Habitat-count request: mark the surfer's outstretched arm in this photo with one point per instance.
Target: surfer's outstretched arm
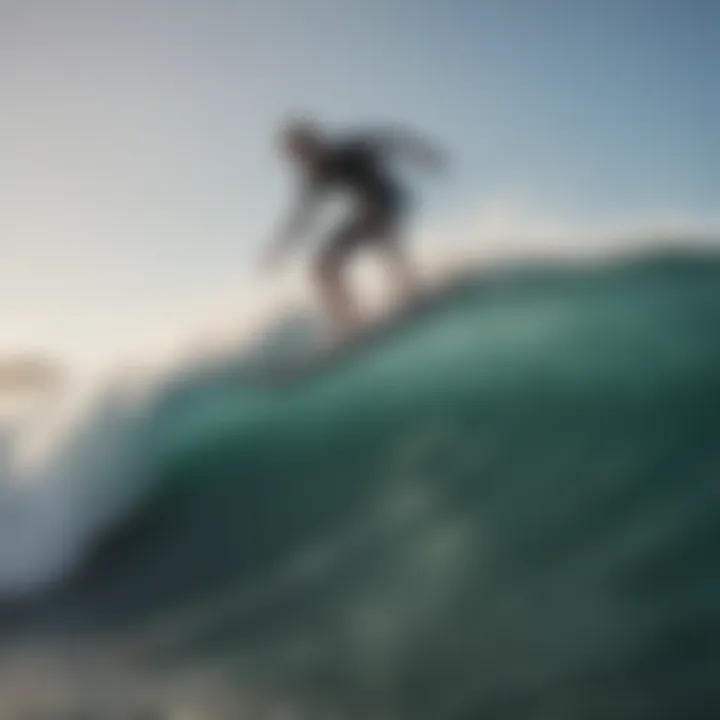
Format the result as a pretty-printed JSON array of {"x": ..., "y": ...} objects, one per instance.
[
  {"x": 399, "y": 141},
  {"x": 295, "y": 224}
]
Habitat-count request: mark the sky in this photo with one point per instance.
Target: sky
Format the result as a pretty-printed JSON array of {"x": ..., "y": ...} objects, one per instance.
[{"x": 139, "y": 176}]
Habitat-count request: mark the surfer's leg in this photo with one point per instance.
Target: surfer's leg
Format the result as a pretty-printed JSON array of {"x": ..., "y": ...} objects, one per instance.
[
  {"x": 329, "y": 267},
  {"x": 390, "y": 227},
  {"x": 404, "y": 275}
]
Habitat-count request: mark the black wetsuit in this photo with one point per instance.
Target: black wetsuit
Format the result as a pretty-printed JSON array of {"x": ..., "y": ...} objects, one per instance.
[{"x": 357, "y": 167}]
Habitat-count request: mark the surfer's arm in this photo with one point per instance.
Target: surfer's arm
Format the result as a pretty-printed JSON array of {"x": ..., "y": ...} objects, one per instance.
[
  {"x": 406, "y": 143},
  {"x": 298, "y": 219}
]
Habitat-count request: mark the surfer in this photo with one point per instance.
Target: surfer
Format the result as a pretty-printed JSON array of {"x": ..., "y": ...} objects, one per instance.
[{"x": 356, "y": 165}]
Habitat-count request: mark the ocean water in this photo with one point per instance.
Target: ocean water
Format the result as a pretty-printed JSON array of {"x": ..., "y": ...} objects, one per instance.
[{"x": 507, "y": 507}]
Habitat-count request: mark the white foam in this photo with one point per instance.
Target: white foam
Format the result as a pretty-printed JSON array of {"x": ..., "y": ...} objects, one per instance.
[{"x": 70, "y": 467}]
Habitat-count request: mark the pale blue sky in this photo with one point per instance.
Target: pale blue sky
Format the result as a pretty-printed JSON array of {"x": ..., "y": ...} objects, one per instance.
[{"x": 137, "y": 168}]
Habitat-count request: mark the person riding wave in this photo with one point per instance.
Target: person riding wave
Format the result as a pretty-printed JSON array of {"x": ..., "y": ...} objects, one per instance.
[{"x": 357, "y": 165}]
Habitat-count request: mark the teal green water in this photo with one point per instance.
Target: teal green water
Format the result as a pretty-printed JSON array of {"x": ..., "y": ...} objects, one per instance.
[{"x": 507, "y": 508}]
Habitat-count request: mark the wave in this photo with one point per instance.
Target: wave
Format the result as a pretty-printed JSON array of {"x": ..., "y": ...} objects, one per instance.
[{"x": 504, "y": 506}]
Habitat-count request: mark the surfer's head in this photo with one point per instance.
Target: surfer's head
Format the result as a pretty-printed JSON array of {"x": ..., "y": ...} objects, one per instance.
[{"x": 302, "y": 141}]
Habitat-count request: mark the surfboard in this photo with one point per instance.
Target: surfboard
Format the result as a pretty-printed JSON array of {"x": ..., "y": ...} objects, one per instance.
[{"x": 370, "y": 333}]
